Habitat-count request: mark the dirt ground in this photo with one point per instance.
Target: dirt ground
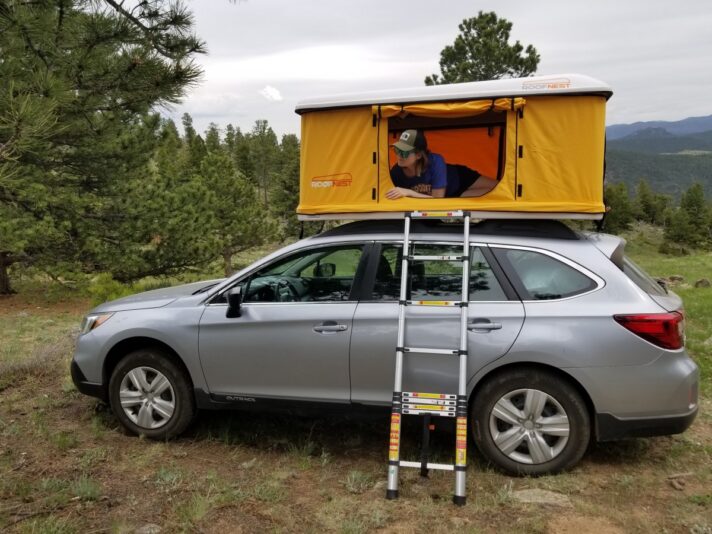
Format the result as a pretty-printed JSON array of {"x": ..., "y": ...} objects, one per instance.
[{"x": 65, "y": 466}]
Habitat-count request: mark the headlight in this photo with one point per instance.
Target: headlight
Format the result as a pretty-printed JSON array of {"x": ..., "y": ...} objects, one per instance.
[{"x": 93, "y": 321}]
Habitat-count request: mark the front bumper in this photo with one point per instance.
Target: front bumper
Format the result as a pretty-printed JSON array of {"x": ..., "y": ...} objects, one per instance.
[{"x": 84, "y": 386}]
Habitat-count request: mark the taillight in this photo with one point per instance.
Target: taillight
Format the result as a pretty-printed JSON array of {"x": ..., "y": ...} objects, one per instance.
[{"x": 666, "y": 330}]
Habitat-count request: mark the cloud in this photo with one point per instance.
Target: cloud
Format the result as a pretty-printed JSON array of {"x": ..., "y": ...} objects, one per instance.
[{"x": 271, "y": 94}]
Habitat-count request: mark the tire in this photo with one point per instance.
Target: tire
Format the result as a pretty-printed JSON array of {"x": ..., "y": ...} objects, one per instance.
[
  {"x": 157, "y": 395},
  {"x": 530, "y": 422}
]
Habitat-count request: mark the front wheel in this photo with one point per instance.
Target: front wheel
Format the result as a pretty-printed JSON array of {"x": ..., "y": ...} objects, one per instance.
[
  {"x": 530, "y": 422},
  {"x": 151, "y": 395}
]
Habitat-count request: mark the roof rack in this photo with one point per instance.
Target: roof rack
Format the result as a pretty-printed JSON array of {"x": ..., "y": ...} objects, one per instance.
[{"x": 505, "y": 227}]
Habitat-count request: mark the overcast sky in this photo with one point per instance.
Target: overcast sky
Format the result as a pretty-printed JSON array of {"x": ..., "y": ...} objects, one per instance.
[{"x": 264, "y": 56}]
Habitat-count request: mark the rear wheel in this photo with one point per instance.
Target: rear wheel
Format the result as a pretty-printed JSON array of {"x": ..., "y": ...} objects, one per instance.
[
  {"x": 530, "y": 422},
  {"x": 151, "y": 395}
]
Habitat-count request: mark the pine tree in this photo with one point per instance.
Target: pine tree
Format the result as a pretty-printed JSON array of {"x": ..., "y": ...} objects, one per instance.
[
  {"x": 212, "y": 138},
  {"x": 482, "y": 52},
  {"x": 78, "y": 81},
  {"x": 677, "y": 232},
  {"x": 285, "y": 188},
  {"x": 620, "y": 209},
  {"x": 194, "y": 143},
  {"x": 649, "y": 206},
  {"x": 239, "y": 221},
  {"x": 263, "y": 154},
  {"x": 694, "y": 205}
]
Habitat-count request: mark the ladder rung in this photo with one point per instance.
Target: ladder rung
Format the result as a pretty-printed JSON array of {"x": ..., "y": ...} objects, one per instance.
[
  {"x": 433, "y": 302},
  {"x": 429, "y": 351},
  {"x": 436, "y": 258},
  {"x": 412, "y": 401},
  {"x": 436, "y": 214},
  {"x": 442, "y": 467},
  {"x": 413, "y": 405},
  {"x": 421, "y": 411},
  {"x": 419, "y": 395}
]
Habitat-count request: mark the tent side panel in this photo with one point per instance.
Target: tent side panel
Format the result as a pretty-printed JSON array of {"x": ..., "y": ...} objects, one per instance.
[
  {"x": 338, "y": 171},
  {"x": 562, "y": 151},
  {"x": 504, "y": 192}
]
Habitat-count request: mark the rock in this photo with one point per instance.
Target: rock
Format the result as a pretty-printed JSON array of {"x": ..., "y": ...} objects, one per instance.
[
  {"x": 676, "y": 278},
  {"x": 679, "y": 485},
  {"x": 149, "y": 528},
  {"x": 703, "y": 282},
  {"x": 539, "y": 496}
]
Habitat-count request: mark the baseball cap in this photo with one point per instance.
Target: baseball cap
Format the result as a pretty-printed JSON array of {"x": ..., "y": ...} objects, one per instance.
[{"x": 411, "y": 139}]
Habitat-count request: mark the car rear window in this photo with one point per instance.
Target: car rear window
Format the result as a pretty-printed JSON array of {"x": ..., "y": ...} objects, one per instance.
[
  {"x": 542, "y": 277},
  {"x": 642, "y": 279}
]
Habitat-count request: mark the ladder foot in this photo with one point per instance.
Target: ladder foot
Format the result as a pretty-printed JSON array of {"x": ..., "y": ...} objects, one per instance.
[
  {"x": 458, "y": 500},
  {"x": 391, "y": 494}
]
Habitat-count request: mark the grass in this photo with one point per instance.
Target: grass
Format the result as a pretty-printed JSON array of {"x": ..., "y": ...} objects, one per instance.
[
  {"x": 65, "y": 467},
  {"x": 26, "y": 333},
  {"x": 357, "y": 482}
]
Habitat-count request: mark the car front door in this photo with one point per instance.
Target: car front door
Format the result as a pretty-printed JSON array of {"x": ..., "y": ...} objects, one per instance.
[
  {"x": 495, "y": 318},
  {"x": 291, "y": 340}
]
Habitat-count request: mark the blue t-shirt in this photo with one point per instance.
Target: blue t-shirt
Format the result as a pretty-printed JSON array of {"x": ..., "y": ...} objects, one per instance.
[
  {"x": 434, "y": 176},
  {"x": 437, "y": 175}
]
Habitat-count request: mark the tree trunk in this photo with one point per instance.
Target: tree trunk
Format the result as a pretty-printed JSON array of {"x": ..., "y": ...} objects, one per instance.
[
  {"x": 227, "y": 260},
  {"x": 5, "y": 262}
]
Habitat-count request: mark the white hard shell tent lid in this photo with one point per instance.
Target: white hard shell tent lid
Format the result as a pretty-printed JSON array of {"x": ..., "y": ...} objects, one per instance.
[{"x": 512, "y": 87}]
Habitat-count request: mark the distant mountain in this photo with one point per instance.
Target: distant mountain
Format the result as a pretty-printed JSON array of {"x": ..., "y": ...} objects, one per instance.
[
  {"x": 670, "y": 156},
  {"x": 668, "y": 174},
  {"x": 691, "y": 125},
  {"x": 661, "y": 141}
]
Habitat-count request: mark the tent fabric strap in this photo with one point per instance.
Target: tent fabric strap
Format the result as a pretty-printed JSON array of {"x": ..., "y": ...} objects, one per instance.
[{"x": 453, "y": 110}]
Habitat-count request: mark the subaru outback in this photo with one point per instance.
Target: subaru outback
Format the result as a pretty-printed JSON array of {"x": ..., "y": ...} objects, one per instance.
[{"x": 569, "y": 341}]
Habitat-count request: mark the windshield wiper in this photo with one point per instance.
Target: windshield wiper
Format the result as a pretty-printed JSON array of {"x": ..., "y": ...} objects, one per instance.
[{"x": 204, "y": 289}]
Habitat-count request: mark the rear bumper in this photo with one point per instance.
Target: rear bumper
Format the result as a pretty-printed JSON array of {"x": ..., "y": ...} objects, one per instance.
[
  {"x": 84, "y": 386},
  {"x": 611, "y": 428}
]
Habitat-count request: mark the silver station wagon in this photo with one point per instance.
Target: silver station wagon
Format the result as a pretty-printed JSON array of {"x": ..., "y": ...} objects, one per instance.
[{"x": 569, "y": 341}]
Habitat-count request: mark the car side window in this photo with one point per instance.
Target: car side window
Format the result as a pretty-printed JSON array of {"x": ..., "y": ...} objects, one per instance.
[
  {"x": 315, "y": 275},
  {"x": 435, "y": 280},
  {"x": 543, "y": 277}
]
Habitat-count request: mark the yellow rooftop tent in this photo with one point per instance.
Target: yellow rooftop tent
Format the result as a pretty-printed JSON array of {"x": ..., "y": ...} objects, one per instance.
[{"x": 542, "y": 138}]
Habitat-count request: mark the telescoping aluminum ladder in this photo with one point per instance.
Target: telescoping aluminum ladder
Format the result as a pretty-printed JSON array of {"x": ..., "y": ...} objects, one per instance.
[{"x": 431, "y": 404}]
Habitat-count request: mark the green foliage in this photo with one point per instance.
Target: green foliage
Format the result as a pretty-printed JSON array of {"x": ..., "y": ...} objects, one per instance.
[
  {"x": 482, "y": 52},
  {"x": 649, "y": 206},
  {"x": 694, "y": 204},
  {"x": 239, "y": 221},
  {"x": 104, "y": 288},
  {"x": 620, "y": 209},
  {"x": 689, "y": 225},
  {"x": 285, "y": 186},
  {"x": 78, "y": 81},
  {"x": 264, "y": 155},
  {"x": 86, "y": 489}
]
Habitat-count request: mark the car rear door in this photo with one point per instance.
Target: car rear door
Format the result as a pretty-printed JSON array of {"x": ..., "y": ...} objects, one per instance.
[{"x": 495, "y": 317}]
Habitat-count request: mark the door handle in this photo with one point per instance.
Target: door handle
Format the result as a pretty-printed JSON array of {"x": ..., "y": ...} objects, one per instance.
[
  {"x": 487, "y": 326},
  {"x": 329, "y": 327}
]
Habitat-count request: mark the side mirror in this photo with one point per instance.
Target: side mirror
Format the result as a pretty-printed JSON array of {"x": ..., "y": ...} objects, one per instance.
[
  {"x": 234, "y": 301},
  {"x": 325, "y": 270}
]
